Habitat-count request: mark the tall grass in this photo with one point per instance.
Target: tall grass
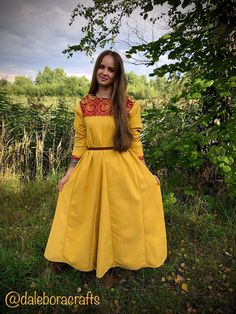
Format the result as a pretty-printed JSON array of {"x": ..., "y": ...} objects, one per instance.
[{"x": 34, "y": 143}]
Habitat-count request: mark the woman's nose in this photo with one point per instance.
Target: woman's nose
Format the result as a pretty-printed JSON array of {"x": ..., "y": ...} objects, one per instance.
[{"x": 105, "y": 71}]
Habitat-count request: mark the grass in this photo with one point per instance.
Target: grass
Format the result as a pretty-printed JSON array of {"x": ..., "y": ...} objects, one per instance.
[{"x": 197, "y": 277}]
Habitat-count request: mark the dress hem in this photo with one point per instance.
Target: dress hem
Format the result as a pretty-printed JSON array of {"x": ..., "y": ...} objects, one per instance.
[{"x": 112, "y": 266}]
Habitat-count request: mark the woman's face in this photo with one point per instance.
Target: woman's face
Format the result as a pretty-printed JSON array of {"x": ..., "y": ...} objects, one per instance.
[{"x": 106, "y": 71}]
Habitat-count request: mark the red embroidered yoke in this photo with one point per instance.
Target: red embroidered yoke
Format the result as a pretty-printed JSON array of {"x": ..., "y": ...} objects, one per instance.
[{"x": 94, "y": 125}]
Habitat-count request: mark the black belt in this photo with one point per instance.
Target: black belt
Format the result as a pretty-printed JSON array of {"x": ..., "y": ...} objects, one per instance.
[{"x": 98, "y": 148}]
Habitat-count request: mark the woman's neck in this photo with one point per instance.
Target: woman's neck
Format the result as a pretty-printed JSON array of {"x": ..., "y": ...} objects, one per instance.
[{"x": 104, "y": 92}]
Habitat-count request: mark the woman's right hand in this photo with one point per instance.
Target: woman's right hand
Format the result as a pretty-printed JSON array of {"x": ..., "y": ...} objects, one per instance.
[{"x": 62, "y": 182}]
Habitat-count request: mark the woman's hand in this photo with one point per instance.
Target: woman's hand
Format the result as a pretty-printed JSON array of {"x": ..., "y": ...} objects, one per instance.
[
  {"x": 158, "y": 180},
  {"x": 62, "y": 182}
]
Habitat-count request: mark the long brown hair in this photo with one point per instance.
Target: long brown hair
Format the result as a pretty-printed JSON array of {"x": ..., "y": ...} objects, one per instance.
[{"x": 123, "y": 135}]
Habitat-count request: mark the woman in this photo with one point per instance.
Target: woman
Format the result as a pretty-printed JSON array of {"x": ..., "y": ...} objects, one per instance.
[{"x": 109, "y": 211}]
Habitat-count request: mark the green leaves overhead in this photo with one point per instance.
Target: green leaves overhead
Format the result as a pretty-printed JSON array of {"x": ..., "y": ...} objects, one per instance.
[{"x": 201, "y": 32}]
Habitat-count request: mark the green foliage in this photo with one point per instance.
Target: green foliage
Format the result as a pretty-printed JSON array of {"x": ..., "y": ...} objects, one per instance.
[
  {"x": 178, "y": 137},
  {"x": 4, "y": 83},
  {"x": 48, "y": 76},
  {"x": 159, "y": 90},
  {"x": 22, "y": 85},
  {"x": 201, "y": 40},
  {"x": 49, "y": 83},
  {"x": 35, "y": 141},
  {"x": 169, "y": 200}
]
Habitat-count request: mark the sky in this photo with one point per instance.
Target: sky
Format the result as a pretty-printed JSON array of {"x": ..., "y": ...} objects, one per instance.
[{"x": 33, "y": 34}]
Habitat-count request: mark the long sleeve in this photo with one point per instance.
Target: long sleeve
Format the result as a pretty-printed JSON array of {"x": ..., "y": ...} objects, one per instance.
[
  {"x": 136, "y": 127},
  {"x": 80, "y": 145}
]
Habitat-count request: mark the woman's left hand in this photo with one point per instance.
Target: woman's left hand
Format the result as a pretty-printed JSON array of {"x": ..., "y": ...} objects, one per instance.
[{"x": 158, "y": 180}]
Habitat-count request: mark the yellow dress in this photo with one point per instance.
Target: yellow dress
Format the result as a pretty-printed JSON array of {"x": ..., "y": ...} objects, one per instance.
[{"x": 110, "y": 212}]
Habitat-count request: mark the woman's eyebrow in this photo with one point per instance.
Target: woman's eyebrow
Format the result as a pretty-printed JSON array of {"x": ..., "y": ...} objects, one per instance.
[{"x": 108, "y": 67}]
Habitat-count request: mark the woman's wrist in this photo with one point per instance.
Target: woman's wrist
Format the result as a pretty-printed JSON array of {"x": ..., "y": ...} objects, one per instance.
[
  {"x": 72, "y": 165},
  {"x": 73, "y": 162}
]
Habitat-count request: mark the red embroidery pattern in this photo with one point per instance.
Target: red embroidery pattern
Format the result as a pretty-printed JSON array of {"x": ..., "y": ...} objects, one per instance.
[
  {"x": 94, "y": 106},
  {"x": 141, "y": 157}
]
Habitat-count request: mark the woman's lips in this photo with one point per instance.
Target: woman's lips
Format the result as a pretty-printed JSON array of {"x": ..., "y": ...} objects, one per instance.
[{"x": 104, "y": 78}]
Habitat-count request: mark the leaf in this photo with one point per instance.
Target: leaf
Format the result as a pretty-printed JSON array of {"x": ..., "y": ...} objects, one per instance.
[
  {"x": 232, "y": 78},
  {"x": 172, "y": 55},
  {"x": 184, "y": 287},
  {"x": 179, "y": 278},
  {"x": 196, "y": 95},
  {"x": 226, "y": 93},
  {"x": 122, "y": 280},
  {"x": 166, "y": 36}
]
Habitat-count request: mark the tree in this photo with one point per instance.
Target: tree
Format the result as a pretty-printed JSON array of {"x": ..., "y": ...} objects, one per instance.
[
  {"x": 76, "y": 86},
  {"x": 48, "y": 76},
  {"x": 22, "y": 85},
  {"x": 201, "y": 44},
  {"x": 23, "y": 81},
  {"x": 4, "y": 83},
  {"x": 202, "y": 36}
]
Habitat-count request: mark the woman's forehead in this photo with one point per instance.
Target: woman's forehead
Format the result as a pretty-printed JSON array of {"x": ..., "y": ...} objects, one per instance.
[{"x": 108, "y": 61}]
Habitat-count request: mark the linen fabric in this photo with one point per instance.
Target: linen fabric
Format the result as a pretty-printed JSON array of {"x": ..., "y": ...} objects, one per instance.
[{"x": 110, "y": 211}]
